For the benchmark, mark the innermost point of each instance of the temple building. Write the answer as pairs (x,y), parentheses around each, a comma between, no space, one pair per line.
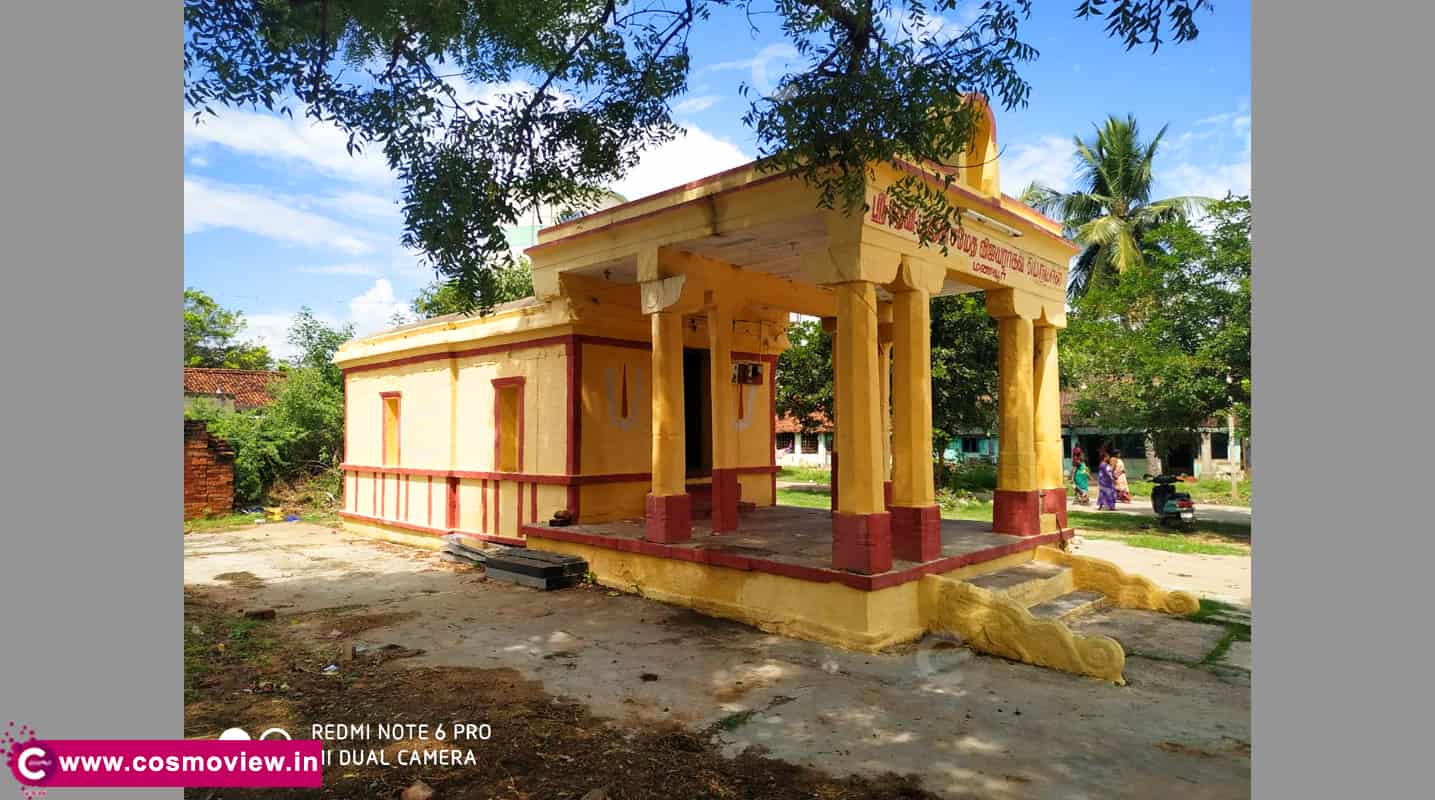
(625,413)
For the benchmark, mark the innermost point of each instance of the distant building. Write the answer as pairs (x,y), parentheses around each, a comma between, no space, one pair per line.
(1209,451)
(233,389)
(798,449)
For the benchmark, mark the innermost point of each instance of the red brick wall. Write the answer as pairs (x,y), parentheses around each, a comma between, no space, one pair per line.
(208,472)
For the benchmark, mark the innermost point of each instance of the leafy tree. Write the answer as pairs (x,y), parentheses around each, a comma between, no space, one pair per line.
(804,374)
(879,81)
(317,342)
(211,336)
(964,367)
(1168,346)
(1112,210)
(513,282)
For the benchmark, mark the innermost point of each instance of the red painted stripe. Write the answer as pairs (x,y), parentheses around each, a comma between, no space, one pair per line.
(497,505)
(545,341)
(406,494)
(483,504)
(518,512)
(430,496)
(527,477)
(452,498)
(575,423)
(430,530)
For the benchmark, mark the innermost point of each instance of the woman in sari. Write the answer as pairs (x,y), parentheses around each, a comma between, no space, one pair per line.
(1118,478)
(1106,496)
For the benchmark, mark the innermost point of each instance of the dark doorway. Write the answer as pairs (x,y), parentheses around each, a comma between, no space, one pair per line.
(697,412)
(1180,459)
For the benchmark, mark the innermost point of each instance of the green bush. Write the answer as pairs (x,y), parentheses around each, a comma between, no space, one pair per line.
(301,433)
(971,476)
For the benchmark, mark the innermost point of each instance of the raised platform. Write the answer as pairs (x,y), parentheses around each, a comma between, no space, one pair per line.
(797,543)
(775,573)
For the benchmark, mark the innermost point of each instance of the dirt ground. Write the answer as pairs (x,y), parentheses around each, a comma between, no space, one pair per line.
(587,689)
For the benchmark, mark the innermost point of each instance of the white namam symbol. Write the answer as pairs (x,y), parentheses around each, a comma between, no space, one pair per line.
(744,419)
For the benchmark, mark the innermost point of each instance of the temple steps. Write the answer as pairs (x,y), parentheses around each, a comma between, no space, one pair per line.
(1068,606)
(1021,612)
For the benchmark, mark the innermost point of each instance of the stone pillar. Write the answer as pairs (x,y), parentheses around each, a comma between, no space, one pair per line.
(884,389)
(829,325)
(1016,507)
(669,509)
(1205,463)
(1046,431)
(916,519)
(861,526)
(724,421)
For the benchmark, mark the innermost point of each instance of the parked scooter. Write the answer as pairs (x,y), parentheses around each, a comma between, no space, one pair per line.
(1171,507)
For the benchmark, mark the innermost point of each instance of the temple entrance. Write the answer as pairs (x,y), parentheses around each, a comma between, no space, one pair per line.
(697,412)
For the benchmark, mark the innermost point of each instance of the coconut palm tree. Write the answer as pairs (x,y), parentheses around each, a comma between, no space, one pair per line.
(1112,207)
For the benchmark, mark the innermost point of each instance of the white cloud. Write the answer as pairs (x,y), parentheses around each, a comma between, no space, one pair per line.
(271,330)
(693,105)
(1050,161)
(199,161)
(373,310)
(694,154)
(210,206)
(354,268)
(363,205)
(287,142)
(762,77)
(1212,180)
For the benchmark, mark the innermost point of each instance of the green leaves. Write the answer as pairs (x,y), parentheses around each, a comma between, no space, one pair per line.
(572,91)
(1167,345)
(211,336)
(1112,209)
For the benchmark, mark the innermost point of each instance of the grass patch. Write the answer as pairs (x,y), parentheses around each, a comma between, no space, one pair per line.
(735,720)
(1213,491)
(213,641)
(1215,612)
(803,497)
(1206,537)
(223,522)
(1175,543)
(805,475)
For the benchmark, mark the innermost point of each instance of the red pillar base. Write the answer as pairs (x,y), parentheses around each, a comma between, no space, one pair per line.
(669,518)
(1053,501)
(1016,513)
(916,533)
(832,496)
(726,493)
(887,496)
(862,543)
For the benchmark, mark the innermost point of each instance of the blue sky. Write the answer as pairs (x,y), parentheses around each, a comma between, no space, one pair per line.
(277,215)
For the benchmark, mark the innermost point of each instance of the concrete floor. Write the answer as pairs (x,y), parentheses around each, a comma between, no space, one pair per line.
(969,725)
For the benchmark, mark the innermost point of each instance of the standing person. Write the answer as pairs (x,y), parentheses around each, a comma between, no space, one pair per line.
(1081,479)
(1118,477)
(1106,496)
